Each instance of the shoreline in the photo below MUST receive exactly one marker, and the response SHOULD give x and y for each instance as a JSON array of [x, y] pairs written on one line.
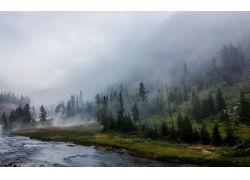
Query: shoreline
[[205, 156]]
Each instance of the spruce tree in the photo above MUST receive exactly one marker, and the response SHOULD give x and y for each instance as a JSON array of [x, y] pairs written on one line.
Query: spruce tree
[[179, 121], [164, 129], [4, 121], [220, 102], [143, 100], [104, 113], [135, 113], [12, 118], [243, 110], [26, 113], [216, 137], [205, 139], [230, 137], [120, 113], [186, 132], [43, 114]]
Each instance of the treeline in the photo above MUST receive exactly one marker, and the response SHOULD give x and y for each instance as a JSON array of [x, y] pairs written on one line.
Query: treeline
[[122, 111], [10, 97], [126, 111], [18, 115], [22, 115]]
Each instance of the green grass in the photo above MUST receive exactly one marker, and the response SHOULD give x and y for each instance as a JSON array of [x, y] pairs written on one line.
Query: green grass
[[135, 145]]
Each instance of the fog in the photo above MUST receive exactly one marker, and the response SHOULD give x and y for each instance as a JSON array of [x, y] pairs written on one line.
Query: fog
[[51, 55]]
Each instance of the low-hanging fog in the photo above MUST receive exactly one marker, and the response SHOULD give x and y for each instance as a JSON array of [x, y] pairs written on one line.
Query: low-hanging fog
[[51, 55]]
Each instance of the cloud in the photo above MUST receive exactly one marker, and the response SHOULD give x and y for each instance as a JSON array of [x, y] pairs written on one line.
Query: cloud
[[49, 55]]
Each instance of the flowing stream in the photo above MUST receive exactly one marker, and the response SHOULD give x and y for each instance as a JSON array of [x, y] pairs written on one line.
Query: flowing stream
[[26, 152]]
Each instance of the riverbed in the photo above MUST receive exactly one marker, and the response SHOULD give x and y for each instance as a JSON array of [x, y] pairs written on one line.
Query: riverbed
[[25, 152]]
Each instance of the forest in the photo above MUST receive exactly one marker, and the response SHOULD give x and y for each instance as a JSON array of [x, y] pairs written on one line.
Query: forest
[[125, 110]]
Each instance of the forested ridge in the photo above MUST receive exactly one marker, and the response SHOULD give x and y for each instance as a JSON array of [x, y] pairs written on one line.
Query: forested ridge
[[179, 112]]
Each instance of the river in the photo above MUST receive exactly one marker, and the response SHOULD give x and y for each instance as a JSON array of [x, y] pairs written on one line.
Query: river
[[25, 152]]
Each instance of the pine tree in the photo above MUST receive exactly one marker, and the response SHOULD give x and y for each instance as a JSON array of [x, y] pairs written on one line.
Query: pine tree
[[26, 113], [43, 114], [230, 137], [143, 100], [243, 109], [164, 129], [210, 104], [186, 130], [120, 113], [135, 113], [12, 118], [216, 137], [220, 102], [179, 121], [104, 113], [205, 139], [4, 121]]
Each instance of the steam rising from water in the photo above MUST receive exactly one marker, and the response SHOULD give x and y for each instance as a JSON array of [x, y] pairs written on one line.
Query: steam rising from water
[[58, 121]]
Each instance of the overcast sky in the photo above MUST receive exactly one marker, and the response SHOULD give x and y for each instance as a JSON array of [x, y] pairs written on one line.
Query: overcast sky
[[51, 55]]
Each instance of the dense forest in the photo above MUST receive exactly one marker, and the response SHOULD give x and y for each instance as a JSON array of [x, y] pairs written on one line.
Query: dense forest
[[132, 110]]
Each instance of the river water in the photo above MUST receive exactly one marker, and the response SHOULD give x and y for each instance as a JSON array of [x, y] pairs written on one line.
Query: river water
[[26, 152]]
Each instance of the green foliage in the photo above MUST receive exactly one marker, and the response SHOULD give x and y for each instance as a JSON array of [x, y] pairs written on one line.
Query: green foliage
[[230, 136], [220, 102], [4, 121], [186, 133], [26, 113], [216, 137], [164, 129], [196, 107], [12, 118], [205, 139], [243, 110], [179, 121], [43, 114], [135, 113]]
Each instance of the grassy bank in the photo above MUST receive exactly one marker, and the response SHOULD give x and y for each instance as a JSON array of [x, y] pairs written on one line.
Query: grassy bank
[[92, 135]]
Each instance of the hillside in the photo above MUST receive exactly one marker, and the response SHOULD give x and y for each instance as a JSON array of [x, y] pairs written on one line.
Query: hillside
[[7, 108]]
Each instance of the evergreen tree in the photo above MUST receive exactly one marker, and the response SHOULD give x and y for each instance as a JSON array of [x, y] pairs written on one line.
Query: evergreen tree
[[120, 113], [69, 109], [216, 137], [104, 113], [143, 100], [196, 107], [186, 132], [26, 113], [57, 110], [210, 104], [135, 113], [164, 129], [12, 119], [179, 124], [205, 139], [19, 115], [43, 114], [230, 137], [4, 121], [243, 110], [220, 102]]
